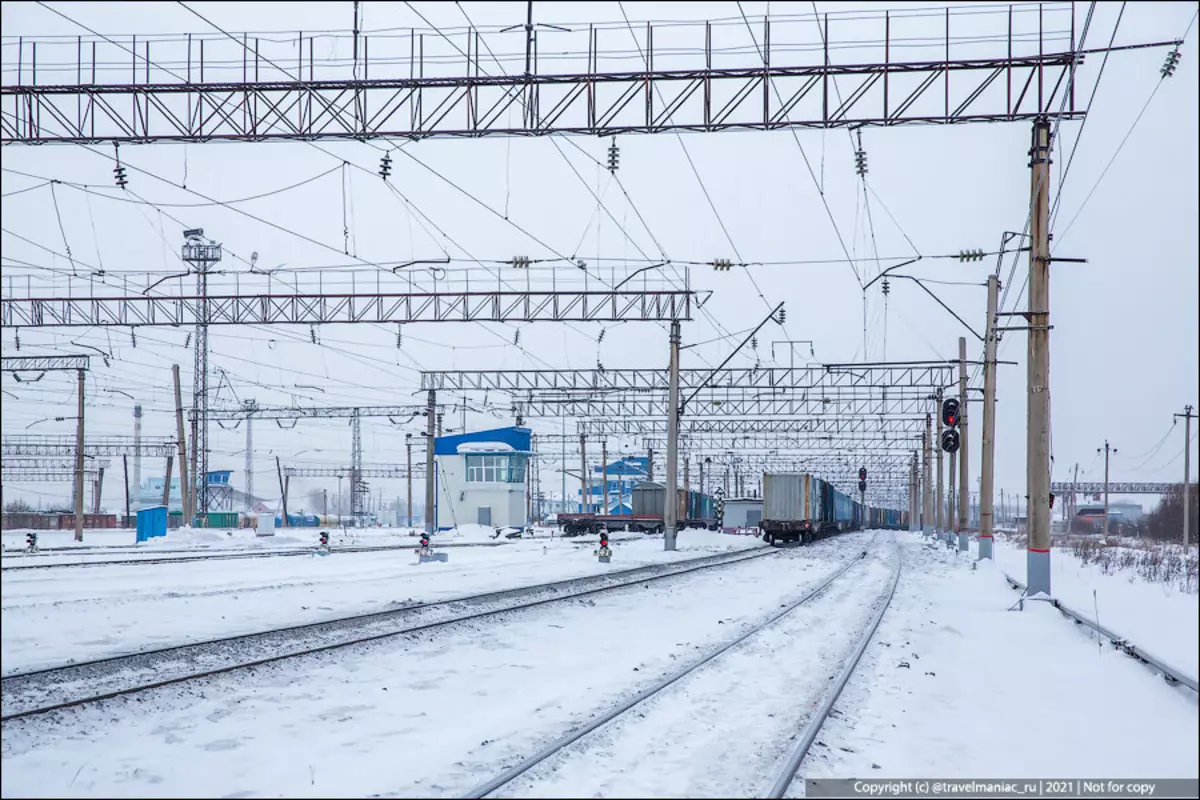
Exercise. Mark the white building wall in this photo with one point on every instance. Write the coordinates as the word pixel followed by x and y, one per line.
pixel 736 512
pixel 459 502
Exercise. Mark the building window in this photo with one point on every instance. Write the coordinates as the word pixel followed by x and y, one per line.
pixel 496 468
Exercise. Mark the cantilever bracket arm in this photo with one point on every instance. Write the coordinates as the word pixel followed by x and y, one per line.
pixel 889 269
pixel 940 303
pixel 729 357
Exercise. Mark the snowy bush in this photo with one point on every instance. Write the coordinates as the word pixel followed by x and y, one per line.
pixel 1155 562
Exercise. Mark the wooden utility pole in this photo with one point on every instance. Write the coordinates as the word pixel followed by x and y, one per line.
pixel 1037 450
pixel 1187 474
pixel 185 493
pixel 987 436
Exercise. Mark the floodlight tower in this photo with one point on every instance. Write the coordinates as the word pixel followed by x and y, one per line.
pixel 201 254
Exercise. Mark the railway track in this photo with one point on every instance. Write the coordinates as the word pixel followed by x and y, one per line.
pixel 229 555
pixel 40 692
pixel 1170 674
pixel 566 747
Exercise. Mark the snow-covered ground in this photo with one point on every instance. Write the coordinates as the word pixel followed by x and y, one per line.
pixel 1157 617
pixel 954 684
pixel 52 615
pixel 416 715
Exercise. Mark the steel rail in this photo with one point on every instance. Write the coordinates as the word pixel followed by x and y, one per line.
pixel 710 563
pixel 225 556
pixel 792 765
pixel 557 746
pixel 1169 673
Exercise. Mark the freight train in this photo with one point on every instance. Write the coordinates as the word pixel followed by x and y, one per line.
pixel 799 507
pixel 696 510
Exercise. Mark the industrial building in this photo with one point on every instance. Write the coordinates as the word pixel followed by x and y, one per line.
pixel 742 512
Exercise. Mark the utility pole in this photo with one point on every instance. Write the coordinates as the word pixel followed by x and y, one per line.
pixel 166 501
pixel 98 491
pixel 939 513
pixel 686 511
pixel 604 474
pixel 184 487
pixel 408 476
pixel 952 496
pixel 671 497
pixel 650 464
pixel 249 406
pixel 987 437
pixel 137 456
pixel 1106 454
pixel 283 494
pixel 964 463
pixel 125 466
pixel 926 483
pixel 430 476
pixel 1037 460
pixel 583 476
pixel 1187 466
pixel 80 375
pixel 914 521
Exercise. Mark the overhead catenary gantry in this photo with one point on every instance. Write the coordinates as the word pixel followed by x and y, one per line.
pixel 442 85
pixel 34 445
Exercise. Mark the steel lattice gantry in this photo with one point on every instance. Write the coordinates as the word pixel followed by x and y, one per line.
pixel 356 472
pixel 417 90
pixel 1116 488
pixel 63 446
pixel 727 427
pixel 730 403
pixel 931 375
pixel 366 471
pixel 136 310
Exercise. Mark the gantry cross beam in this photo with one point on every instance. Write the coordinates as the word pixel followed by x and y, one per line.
pixel 931 375
pixel 730 427
pixel 1117 488
pixel 63 446
pixel 413 92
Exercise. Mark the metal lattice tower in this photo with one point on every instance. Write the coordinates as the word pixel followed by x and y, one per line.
pixel 201 254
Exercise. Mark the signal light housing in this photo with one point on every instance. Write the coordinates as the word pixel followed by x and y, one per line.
pixel 950 415
pixel 950 440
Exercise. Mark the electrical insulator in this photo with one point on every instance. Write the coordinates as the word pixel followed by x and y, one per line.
pixel 614 156
pixel 119 175
pixel 1168 67
pixel 312 331
pixel 860 162
pixel 399 336
pixel 521 262
pixel 600 367
pixel 385 166
pixel 782 315
pixel 887 287
pixel 970 255
pixel 722 264
pixel 600 338
pixel 753 342
pixel 517 336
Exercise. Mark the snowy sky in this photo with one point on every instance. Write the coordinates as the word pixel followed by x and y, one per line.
pixel 1123 350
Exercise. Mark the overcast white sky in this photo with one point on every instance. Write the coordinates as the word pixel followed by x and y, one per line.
pixel 1123 349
